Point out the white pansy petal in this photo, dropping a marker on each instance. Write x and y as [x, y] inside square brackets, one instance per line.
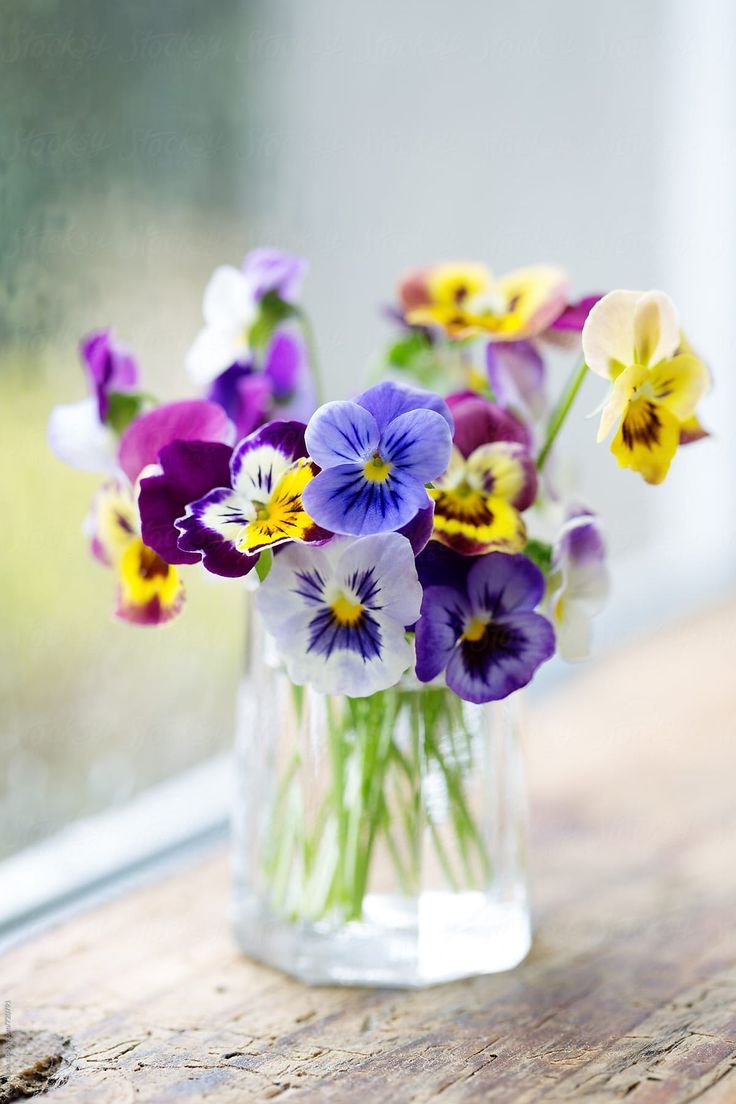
[608, 333]
[574, 632]
[229, 301]
[212, 352]
[336, 614]
[656, 328]
[391, 557]
[78, 438]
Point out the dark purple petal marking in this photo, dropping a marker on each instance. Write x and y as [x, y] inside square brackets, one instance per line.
[286, 437]
[327, 635]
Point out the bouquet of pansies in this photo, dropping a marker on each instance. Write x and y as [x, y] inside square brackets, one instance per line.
[412, 535]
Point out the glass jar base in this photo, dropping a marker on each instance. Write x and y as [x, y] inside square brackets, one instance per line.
[400, 942]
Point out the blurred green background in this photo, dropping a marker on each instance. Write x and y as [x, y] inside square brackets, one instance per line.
[125, 148]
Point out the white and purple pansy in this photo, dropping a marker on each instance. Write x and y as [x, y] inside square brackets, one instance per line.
[478, 624]
[231, 305]
[78, 433]
[338, 613]
[259, 506]
[282, 387]
[376, 455]
[578, 585]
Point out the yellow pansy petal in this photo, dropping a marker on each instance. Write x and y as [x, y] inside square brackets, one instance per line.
[647, 439]
[450, 284]
[473, 523]
[608, 333]
[620, 395]
[455, 472]
[535, 296]
[656, 328]
[503, 469]
[679, 384]
[114, 520]
[151, 591]
[282, 517]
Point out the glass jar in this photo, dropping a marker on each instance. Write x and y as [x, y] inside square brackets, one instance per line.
[381, 840]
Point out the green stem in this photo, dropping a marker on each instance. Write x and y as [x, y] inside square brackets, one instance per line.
[561, 411]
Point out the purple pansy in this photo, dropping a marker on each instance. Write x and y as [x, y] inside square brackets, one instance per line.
[376, 455]
[574, 315]
[191, 420]
[516, 374]
[479, 422]
[478, 624]
[269, 269]
[110, 367]
[190, 469]
[284, 386]
[258, 505]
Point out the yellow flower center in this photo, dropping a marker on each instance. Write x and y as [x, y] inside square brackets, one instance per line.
[345, 611]
[377, 470]
[475, 630]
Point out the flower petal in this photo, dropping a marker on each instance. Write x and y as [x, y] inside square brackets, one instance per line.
[608, 333]
[192, 420]
[110, 367]
[499, 584]
[207, 529]
[619, 397]
[213, 352]
[341, 433]
[574, 315]
[151, 591]
[444, 614]
[246, 397]
[260, 460]
[419, 530]
[536, 296]
[647, 439]
[418, 442]
[301, 603]
[479, 422]
[267, 269]
[516, 374]
[471, 522]
[190, 470]
[679, 384]
[504, 469]
[387, 400]
[503, 660]
[282, 517]
[656, 328]
[229, 303]
[78, 438]
[342, 500]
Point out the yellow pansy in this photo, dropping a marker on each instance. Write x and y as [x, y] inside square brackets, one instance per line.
[150, 591]
[465, 300]
[633, 339]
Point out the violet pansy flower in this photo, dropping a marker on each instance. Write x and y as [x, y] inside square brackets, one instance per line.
[231, 305]
[259, 506]
[578, 584]
[338, 613]
[281, 388]
[77, 432]
[190, 420]
[478, 623]
[376, 455]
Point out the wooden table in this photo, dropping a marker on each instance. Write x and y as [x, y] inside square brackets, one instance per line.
[629, 992]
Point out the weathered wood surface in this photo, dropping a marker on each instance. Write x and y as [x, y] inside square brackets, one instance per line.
[629, 993]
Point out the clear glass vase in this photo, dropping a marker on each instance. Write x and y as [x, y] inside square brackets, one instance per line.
[378, 841]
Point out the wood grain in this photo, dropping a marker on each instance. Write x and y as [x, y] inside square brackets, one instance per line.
[629, 992]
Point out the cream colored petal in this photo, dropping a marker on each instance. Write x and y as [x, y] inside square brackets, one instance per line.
[618, 399]
[455, 473]
[608, 333]
[656, 328]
